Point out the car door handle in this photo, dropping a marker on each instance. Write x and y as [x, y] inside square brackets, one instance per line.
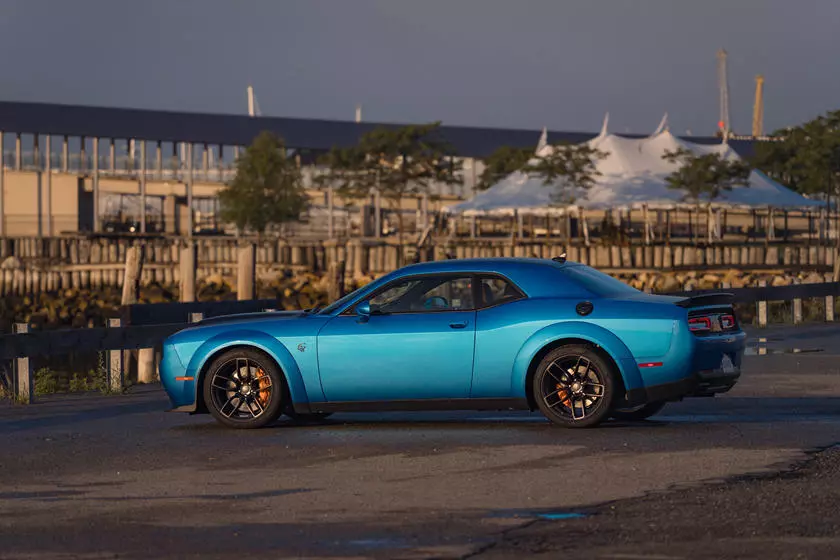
[458, 325]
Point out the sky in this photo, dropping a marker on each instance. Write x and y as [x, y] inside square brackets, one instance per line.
[503, 63]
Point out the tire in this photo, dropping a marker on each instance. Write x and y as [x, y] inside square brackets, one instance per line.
[639, 413]
[574, 386]
[244, 388]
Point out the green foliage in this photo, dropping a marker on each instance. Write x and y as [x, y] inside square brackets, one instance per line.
[400, 162]
[705, 177]
[501, 163]
[267, 189]
[568, 169]
[46, 382]
[806, 157]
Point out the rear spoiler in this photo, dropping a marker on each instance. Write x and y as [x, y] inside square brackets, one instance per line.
[720, 298]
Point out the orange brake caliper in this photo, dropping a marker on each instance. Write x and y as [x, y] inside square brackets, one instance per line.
[564, 396]
[265, 383]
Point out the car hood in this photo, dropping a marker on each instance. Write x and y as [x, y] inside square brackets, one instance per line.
[274, 315]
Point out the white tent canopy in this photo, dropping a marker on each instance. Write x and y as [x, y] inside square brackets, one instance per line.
[632, 174]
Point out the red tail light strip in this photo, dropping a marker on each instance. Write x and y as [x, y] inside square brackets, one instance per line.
[651, 364]
[699, 324]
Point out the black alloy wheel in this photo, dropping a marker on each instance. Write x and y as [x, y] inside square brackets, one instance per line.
[243, 388]
[574, 386]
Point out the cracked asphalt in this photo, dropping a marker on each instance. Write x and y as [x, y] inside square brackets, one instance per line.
[85, 476]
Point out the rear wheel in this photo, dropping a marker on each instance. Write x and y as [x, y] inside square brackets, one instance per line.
[640, 412]
[574, 386]
[244, 389]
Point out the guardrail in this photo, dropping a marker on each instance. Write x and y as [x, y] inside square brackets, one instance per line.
[147, 326]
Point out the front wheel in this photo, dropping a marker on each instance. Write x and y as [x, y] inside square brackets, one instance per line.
[574, 386]
[640, 412]
[244, 389]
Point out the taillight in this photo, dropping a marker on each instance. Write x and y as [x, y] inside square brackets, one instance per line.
[727, 322]
[697, 324]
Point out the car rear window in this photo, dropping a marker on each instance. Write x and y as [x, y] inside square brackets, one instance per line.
[597, 282]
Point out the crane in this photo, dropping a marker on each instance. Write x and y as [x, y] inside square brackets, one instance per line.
[758, 107]
[723, 86]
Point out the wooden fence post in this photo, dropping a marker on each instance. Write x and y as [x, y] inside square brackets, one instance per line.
[761, 307]
[144, 357]
[829, 302]
[797, 308]
[115, 363]
[25, 387]
[336, 280]
[188, 266]
[246, 271]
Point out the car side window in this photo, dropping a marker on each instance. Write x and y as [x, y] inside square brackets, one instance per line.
[425, 295]
[496, 291]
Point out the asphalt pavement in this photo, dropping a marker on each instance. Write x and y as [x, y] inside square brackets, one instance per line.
[88, 476]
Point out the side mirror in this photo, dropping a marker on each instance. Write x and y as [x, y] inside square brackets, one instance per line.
[363, 310]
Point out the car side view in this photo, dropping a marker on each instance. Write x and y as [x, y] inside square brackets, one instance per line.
[474, 334]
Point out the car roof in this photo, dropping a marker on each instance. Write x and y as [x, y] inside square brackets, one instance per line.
[494, 264]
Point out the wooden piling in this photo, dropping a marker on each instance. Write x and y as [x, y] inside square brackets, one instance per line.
[24, 384]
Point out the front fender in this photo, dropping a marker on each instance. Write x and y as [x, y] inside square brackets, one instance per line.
[575, 329]
[258, 340]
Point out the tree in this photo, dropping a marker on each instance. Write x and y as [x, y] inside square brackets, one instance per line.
[501, 163]
[703, 178]
[399, 162]
[805, 157]
[570, 169]
[267, 189]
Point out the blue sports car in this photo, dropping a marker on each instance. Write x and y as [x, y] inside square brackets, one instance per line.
[479, 334]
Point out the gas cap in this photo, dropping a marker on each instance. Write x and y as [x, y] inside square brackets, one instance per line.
[584, 308]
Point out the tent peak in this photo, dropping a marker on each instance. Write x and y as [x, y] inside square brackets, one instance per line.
[542, 143]
[663, 126]
[604, 127]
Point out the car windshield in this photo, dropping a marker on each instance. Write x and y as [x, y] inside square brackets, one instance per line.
[597, 282]
[341, 302]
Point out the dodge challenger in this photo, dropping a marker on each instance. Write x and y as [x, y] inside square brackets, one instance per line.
[475, 334]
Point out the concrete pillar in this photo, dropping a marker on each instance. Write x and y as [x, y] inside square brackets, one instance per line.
[18, 154]
[96, 220]
[2, 189]
[170, 214]
[143, 186]
[159, 159]
[205, 160]
[112, 156]
[829, 302]
[797, 307]
[65, 154]
[190, 224]
[48, 180]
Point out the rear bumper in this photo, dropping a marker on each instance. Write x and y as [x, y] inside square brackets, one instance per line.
[702, 384]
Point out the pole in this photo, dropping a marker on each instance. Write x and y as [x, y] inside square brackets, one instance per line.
[18, 154]
[48, 175]
[143, 186]
[96, 222]
[330, 213]
[190, 224]
[65, 154]
[2, 188]
[159, 159]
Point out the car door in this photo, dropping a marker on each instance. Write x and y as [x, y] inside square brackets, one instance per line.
[417, 343]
